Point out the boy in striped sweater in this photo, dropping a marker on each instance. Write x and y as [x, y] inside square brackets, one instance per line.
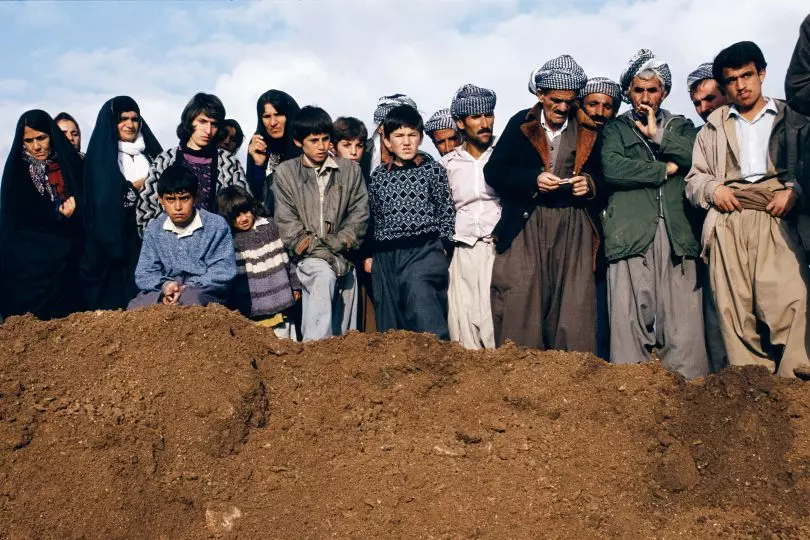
[266, 284]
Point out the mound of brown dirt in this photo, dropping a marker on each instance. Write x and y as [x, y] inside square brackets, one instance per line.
[192, 423]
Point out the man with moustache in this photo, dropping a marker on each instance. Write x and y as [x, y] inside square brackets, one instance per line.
[543, 290]
[651, 241]
[600, 98]
[441, 128]
[477, 212]
[704, 91]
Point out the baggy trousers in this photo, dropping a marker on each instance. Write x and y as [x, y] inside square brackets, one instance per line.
[410, 289]
[191, 296]
[543, 290]
[758, 277]
[656, 302]
[329, 303]
[470, 313]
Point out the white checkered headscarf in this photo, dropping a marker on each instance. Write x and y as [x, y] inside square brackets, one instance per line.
[703, 71]
[602, 85]
[470, 100]
[561, 73]
[441, 119]
[643, 60]
[386, 103]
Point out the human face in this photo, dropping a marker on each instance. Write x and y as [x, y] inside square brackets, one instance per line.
[315, 147]
[648, 92]
[599, 107]
[744, 86]
[179, 207]
[403, 143]
[556, 105]
[71, 131]
[244, 221]
[707, 97]
[445, 140]
[477, 129]
[204, 129]
[352, 149]
[273, 121]
[129, 125]
[229, 142]
[36, 143]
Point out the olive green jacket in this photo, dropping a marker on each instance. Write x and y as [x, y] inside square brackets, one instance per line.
[634, 171]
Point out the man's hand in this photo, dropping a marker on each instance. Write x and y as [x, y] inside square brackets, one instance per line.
[257, 150]
[782, 203]
[651, 127]
[547, 182]
[171, 292]
[68, 207]
[138, 184]
[296, 295]
[724, 200]
[580, 186]
[672, 168]
[303, 245]
[367, 263]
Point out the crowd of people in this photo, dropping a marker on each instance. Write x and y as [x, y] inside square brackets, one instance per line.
[579, 229]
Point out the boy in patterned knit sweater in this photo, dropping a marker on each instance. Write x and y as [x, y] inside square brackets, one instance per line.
[266, 284]
[413, 222]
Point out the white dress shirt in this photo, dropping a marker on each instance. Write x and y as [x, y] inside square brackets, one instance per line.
[753, 138]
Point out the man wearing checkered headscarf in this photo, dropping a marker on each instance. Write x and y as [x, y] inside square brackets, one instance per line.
[375, 152]
[441, 128]
[543, 289]
[704, 91]
[600, 98]
[477, 212]
[650, 234]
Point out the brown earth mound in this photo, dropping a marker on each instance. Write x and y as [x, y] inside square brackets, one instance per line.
[193, 423]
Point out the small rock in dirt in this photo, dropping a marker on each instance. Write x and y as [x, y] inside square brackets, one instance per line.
[443, 451]
[219, 518]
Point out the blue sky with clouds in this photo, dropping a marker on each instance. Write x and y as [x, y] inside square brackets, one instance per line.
[344, 54]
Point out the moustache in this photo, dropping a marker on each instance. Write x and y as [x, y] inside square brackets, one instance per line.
[483, 130]
[599, 118]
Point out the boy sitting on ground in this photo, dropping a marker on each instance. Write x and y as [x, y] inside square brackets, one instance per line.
[187, 257]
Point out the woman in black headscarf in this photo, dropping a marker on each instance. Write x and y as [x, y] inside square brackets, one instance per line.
[121, 149]
[40, 229]
[272, 143]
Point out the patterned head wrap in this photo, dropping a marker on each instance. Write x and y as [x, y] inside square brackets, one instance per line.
[643, 60]
[602, 85]
[441, 119]
[386, 103]
[703, 71]
[561, 73]
[470, 100]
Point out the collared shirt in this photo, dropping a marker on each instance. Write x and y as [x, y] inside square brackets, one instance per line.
[322, 176]
[551, 134]
[478, 207]
[753, 138]
[188, 230]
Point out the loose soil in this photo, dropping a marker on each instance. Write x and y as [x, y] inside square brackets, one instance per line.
[194, 423]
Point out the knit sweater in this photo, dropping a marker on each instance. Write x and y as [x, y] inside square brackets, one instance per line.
[265, 278]
[203, 259]
[411, 203]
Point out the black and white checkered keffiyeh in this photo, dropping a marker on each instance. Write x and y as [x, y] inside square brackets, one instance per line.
[441, 119]
[470, 100]
[561, 73]
[703, 71]
[386, 103]
[602, 85]
[643, 60]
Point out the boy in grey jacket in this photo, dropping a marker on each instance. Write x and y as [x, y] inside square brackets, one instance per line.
[321, 209]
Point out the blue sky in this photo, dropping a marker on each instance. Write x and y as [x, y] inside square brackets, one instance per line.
[344, 54]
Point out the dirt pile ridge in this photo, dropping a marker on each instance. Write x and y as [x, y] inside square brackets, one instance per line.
[193, 423]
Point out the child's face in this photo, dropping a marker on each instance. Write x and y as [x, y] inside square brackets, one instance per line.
[315, 147]
[179, 207]
[244, 221]
[404, 143]
[352, 149]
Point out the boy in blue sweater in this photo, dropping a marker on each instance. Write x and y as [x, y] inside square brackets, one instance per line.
[187, 257]
[413, 223]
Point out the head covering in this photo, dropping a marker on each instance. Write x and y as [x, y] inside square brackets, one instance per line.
[703, 71]
[386, 103]
[643, 60]
[602, 85]
[441, 119]
[284, 104]
[561, 73]
[104, 186]
[471, 100]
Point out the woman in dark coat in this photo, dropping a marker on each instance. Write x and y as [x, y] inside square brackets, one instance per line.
[40, 227]
[121, 149]
[272, 143]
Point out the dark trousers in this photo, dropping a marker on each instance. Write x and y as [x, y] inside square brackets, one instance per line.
[410, 289]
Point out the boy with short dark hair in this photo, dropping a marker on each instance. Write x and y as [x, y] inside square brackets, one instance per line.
[321, 209]
[414, 219]
[187, 257]
[349, 138]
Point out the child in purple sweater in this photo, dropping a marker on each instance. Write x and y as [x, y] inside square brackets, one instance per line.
[266, 284]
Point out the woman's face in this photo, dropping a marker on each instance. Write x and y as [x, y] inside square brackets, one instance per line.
[129, 124]
[71, 131]
[273, 122]
[36, 143]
